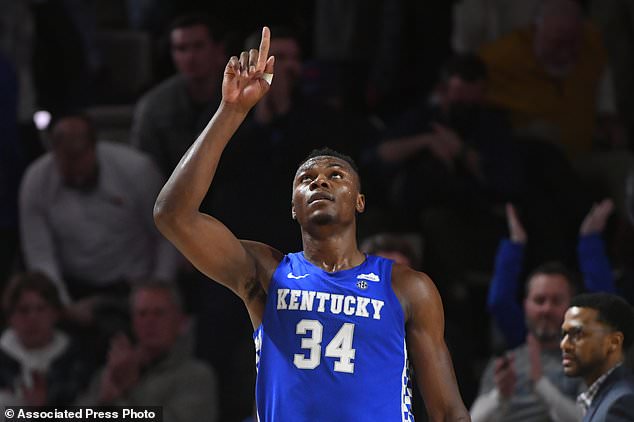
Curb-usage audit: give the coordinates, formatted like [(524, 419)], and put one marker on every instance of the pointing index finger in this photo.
[(264, 49)]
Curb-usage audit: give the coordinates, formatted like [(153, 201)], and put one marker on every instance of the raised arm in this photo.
[(206, 242), (425, 325), (593, 260), (502, 297)]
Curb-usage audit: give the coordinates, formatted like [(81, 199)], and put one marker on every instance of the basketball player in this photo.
[(330, 322)]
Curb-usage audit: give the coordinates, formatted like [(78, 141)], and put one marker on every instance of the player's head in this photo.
[(597, 329), (326, 188), (548, 292)]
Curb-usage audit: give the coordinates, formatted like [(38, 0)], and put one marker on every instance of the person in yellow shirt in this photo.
[(548, 76)]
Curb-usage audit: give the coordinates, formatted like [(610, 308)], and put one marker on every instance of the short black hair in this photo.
[(468, 67), (329, 152), (554, 268), (612, 310), (214, 27), (30, 282)]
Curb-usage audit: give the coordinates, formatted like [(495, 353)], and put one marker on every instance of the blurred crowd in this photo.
[(494, 140)]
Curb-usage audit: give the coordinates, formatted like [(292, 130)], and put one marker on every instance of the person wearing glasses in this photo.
[(598, 330)]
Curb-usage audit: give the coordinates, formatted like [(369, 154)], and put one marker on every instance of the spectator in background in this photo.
[(86, 216), (509, 264), (453, 151), (598, 330), (456, 154), (157, 369), (548, 76), (39, 365), (528, 383), (173, 113), (400, 248)]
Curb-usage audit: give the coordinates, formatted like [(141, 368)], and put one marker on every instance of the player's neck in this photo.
[(333, 253)]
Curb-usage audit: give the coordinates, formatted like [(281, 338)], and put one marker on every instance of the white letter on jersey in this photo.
[(348, 303), (336, 302), (362, 303), (294, 304), (307, 300), (281, 298), (378, 304), (323, 297)]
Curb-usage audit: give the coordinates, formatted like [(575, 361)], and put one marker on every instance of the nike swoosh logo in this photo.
[(296, 277)]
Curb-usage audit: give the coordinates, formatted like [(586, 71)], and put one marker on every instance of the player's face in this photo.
[(545, 304), (326, 190), (585, 343)]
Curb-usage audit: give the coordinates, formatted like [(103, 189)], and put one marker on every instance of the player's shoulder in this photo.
[(413, 288), (406, 277)]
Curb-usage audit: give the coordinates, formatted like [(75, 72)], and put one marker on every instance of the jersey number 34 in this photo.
[(339, 347)]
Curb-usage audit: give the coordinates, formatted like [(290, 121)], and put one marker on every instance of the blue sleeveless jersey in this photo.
[(331, 346)]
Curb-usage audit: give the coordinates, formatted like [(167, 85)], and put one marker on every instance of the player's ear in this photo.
[(293, 213), (360, 206)]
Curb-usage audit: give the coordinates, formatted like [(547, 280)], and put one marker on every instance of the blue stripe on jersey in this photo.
[(331, 346)]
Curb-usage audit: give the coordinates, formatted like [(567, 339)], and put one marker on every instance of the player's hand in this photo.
[(516, 230), (243, 84), (595, 220), (505, 376)]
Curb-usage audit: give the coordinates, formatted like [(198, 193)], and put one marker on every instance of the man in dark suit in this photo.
[(597, 331)]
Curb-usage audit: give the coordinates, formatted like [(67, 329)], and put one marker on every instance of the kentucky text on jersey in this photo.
[(307, 300)]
